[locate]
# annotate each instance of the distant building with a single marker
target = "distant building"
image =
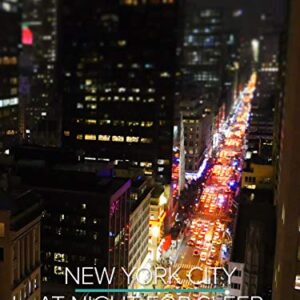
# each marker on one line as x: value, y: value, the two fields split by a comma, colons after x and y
x: 257, y: 174
x: 20, y: 264
x: 197, y: 138
x: 10, y: 42
x: 40, y: 109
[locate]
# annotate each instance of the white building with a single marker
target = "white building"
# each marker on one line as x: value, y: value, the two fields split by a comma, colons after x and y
x: 237, y: 279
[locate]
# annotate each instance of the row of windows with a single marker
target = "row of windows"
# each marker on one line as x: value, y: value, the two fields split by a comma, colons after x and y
x: 80, y: 105
x: 116, y: 122
x: 250, y: 179
x: 235, y: 286
x: 114, y: 138
x: 92, y: 98
x: 29, y: 288
x: 77, y: 232
x: 137, y: 2
x: 8, y: 60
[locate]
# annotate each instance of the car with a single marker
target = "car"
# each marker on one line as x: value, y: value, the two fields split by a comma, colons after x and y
x: 203, y: 256
x: 196, y: 252
x: 216, y: 237
x: 191, y: 243
x: 199, y: 243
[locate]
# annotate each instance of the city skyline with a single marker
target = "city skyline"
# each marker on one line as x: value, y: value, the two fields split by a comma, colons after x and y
x: 149, y: 134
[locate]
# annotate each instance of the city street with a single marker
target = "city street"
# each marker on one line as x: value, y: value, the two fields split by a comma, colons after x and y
x: 209, y: 237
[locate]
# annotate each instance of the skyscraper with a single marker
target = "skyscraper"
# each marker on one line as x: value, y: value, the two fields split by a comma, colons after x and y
x: 287, y: 258
x: 9, y: 64
x: 40, y: 108
x: 117, y: 81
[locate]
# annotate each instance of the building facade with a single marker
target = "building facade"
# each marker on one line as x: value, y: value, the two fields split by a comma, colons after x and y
x: 86, y: 220
x: 139, y: 223
x: 40, y: 108
x: 286, y: 284
x: 117, y: 81
x: 10, y: 43
x: 20, y: 271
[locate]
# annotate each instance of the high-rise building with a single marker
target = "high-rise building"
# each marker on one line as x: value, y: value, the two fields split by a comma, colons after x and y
x: 286, y: 283
x: 209, y: 65
x: 40, y: 108
x: 9, y: 66
x: 86, y: 220
x: 203, y: 52
x: 20, y: 271
x: 117, y: 80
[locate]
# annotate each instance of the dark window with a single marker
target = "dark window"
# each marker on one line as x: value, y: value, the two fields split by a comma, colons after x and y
x: 1, y: 254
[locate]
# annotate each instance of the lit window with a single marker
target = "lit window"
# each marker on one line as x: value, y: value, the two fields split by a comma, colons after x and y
x: 2, y: 230
x: 146, y: 164
x: 90, y: 121
x: 91, y: 106
x: 122, y: 43
x: 297, y: 282
x: 104, y: 138
x: 61, y: 217
x: 66, y: 133
x: 90, y: 137
x: 146, y: 140
x: 60, y: 257
x: 79, y: 105
x: 83, y: 220
x: 165, y: 74
x: 118, y: 138
x: 79, y: 136
x: 132, y: 139
x: 90, y: 98
x: 59, y: 270
x: 83, y: 206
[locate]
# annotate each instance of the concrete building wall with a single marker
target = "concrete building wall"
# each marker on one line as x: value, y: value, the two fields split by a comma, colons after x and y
x: 20, y: 267
x: 287, y: 264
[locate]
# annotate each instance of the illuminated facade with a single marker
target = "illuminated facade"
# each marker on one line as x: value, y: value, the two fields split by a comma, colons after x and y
x: 9, y: 67
x: 20, y: 271
x: 117, y: 81
x: 39, y: 109
x: 158, y: 204
x: 139, y: 222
